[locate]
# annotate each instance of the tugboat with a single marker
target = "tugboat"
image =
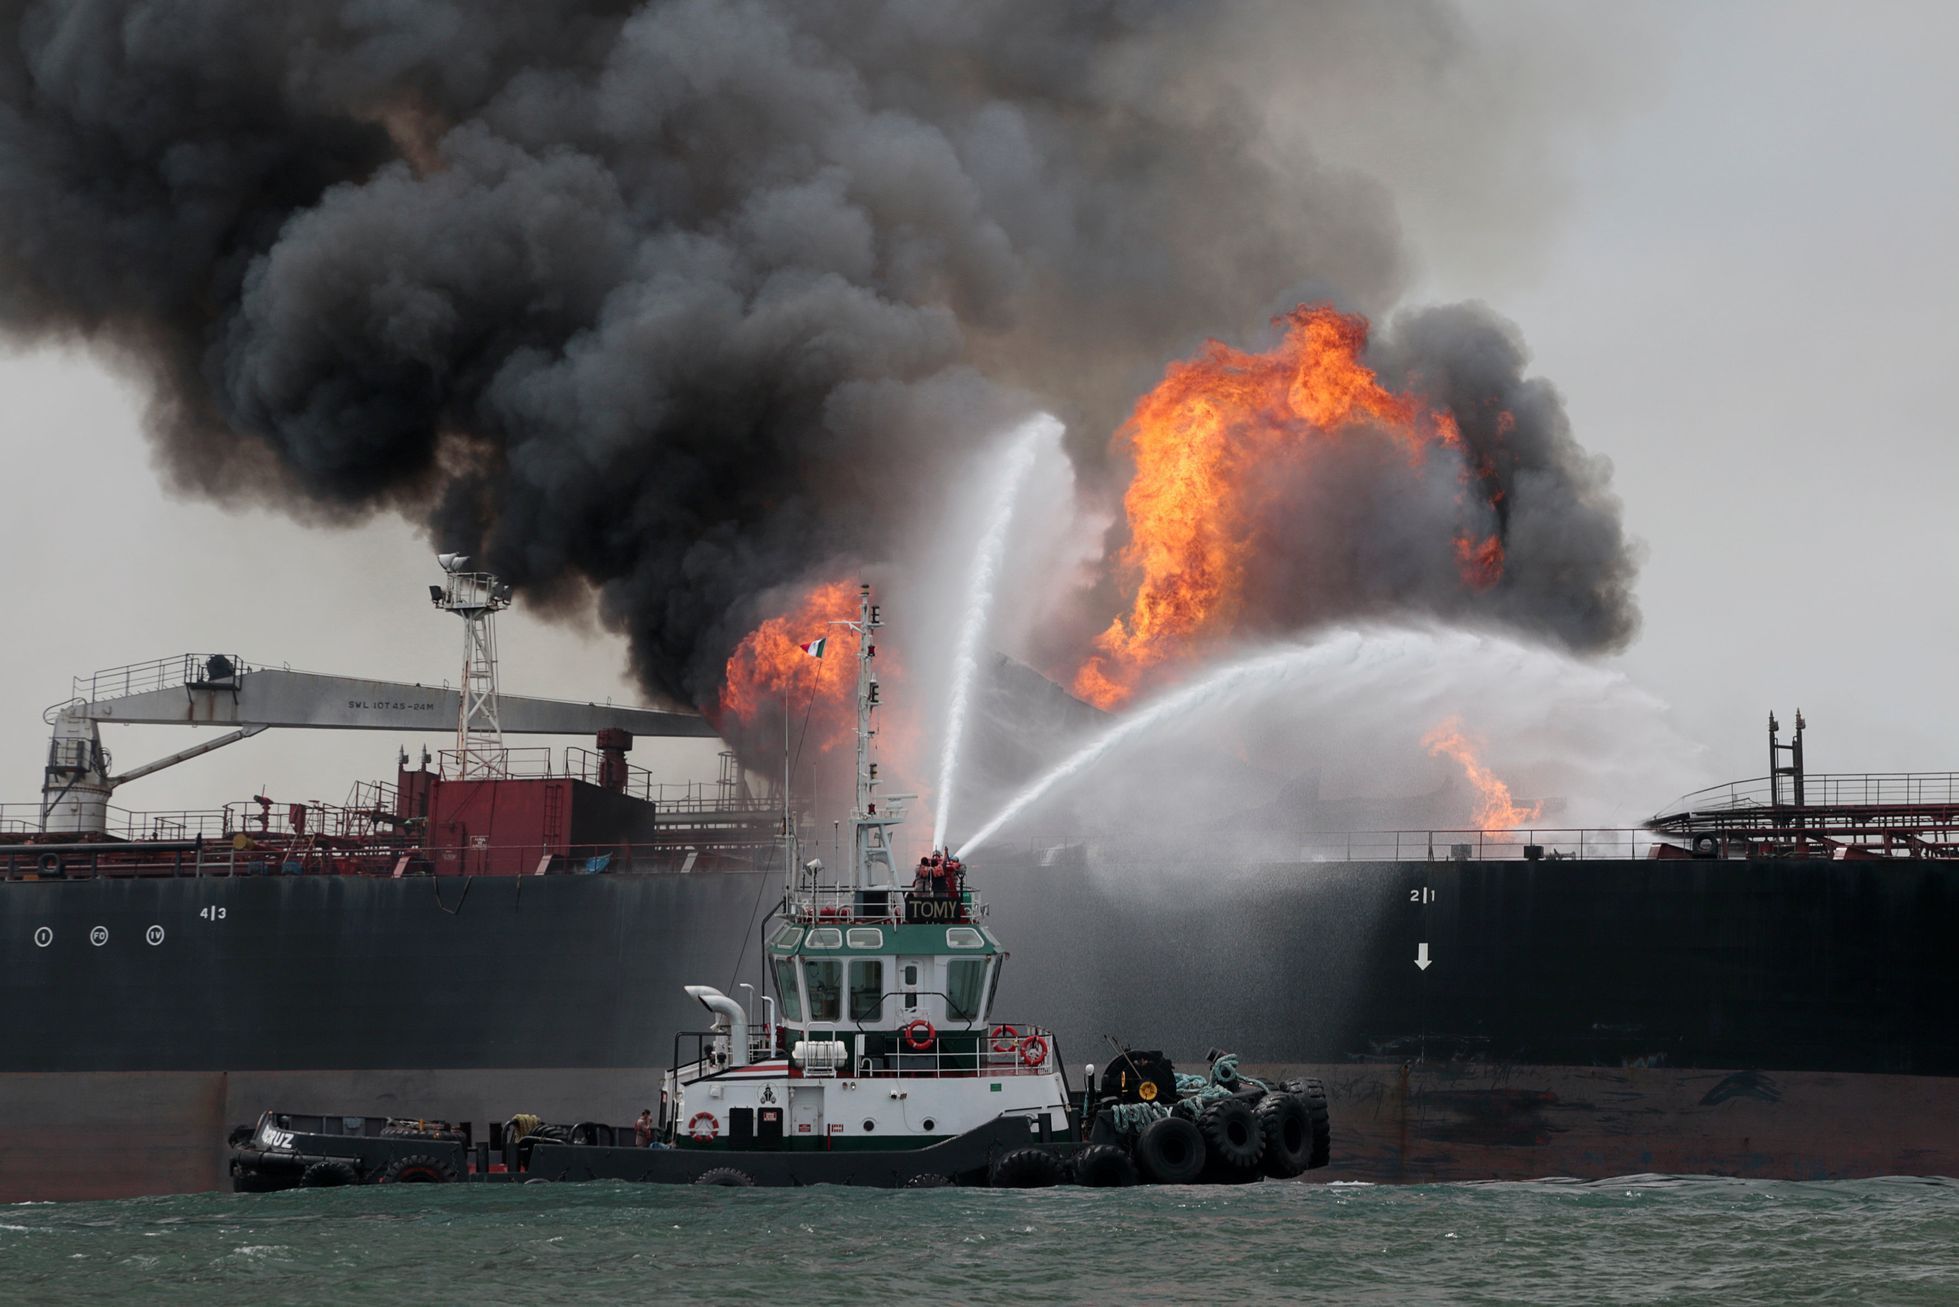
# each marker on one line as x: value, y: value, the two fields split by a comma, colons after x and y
x: 879, y: 1060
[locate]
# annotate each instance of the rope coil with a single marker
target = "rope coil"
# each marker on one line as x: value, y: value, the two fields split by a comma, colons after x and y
x: 1193, y: 1093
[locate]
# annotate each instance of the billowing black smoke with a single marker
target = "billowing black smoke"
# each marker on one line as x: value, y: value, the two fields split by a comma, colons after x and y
x: 677, y: 300
x: 1350, y: 526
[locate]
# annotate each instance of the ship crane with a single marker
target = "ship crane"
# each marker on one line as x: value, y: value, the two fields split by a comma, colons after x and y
x: 198, y: 689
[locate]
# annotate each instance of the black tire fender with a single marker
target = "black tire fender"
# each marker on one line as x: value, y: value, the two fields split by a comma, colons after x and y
x: 1288, y: 1129
x: 1313, y: 1094
x: 1026, y: 1168
x: 329, y: 1175
x: 929, y: 1180
x: 420, y: 1168
x: 1170, y: 1151
x: 1231, y: 1135
x: 727, y: 1177
x: 1104, y: 1166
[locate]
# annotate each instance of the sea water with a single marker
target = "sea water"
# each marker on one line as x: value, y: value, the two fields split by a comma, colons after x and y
x: 1645, y: 1239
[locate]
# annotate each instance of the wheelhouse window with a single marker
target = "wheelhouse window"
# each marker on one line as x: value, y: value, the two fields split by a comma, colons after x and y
x: 864, y: 937
x: 827, y: 937
x: 824, y: 978
x: 965, y: 982
x: 866, y: 989
x: 964, y: 937
x: 785, y: 984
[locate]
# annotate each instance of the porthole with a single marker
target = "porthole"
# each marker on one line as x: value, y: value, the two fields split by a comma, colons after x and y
x: 869, y: 1125
x: 930, y: 1125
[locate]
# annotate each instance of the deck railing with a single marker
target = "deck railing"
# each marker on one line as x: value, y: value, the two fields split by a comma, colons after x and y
x: 829, y: 905
x: 310, y: 855
x: 1439, y: 844
x: 159, y: 674
x: 1825, y: 790
x: 965, y: 1050
x: 535, y: 762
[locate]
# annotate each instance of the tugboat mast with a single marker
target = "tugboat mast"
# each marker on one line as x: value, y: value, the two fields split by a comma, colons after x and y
x: 871, y: 864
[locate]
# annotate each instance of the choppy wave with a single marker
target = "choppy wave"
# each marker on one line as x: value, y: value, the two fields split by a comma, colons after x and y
x: 1633, y: 1239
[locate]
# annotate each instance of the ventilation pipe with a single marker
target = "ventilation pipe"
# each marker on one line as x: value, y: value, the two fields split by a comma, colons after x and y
x: 722, y: 1006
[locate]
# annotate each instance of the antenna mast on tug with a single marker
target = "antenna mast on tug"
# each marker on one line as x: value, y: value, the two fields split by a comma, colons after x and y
x: 871, y: 865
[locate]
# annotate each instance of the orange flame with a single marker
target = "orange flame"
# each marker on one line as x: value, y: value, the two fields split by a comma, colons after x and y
x: 1495, y: 809
x: 1199, y: 441
x: 1481, y: 563
x: 770, y: 662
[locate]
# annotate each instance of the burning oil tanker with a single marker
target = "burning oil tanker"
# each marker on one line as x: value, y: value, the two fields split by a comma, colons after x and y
x: 1752, y: 985
x: 706, y: 313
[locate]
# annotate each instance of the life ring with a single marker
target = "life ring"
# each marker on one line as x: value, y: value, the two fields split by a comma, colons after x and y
x: 920, y: 1034
x: 1004, y: 1038
x: 1033, y: 1051
x: 702, y: 1127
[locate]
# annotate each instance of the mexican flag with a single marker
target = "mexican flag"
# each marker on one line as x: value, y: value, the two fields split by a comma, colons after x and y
x: 815, y: 647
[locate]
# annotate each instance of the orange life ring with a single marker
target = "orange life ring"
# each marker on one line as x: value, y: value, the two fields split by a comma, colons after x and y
x: 702, y: 1127
x: 1033, y: 1051
x: 1004, y: 1038
x: 920, y: 1034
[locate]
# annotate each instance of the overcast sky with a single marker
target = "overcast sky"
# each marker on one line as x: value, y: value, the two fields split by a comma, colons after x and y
x: 1741, y: 276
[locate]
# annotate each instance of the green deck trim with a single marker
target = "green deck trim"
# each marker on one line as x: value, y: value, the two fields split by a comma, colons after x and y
x: 910, y: 941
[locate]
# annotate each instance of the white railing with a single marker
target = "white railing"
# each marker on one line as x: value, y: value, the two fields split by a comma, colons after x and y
x: 1825, y: 790
x: 157, y: 674
x: 965, y: 1051
x: 885, y: 905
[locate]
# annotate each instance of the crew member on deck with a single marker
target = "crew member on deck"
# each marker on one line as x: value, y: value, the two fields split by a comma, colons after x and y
x: 643, y: 1128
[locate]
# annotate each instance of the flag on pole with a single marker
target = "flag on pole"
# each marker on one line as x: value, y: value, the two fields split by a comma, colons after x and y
x: 815, y: 647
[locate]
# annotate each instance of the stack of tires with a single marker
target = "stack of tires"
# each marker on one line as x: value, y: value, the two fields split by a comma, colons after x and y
x: 1253, y: 1134
x: 1279, y: 1133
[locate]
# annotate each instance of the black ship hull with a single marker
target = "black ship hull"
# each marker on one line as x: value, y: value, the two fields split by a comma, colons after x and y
x: 1787, y: 1019
x: 1771, y: 1018
x: 463, y: 997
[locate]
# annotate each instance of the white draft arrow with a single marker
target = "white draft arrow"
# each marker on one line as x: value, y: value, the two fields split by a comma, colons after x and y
x: 1421, y: 956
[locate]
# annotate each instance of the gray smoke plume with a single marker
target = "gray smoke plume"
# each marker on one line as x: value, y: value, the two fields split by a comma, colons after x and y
x: 676, y: 301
